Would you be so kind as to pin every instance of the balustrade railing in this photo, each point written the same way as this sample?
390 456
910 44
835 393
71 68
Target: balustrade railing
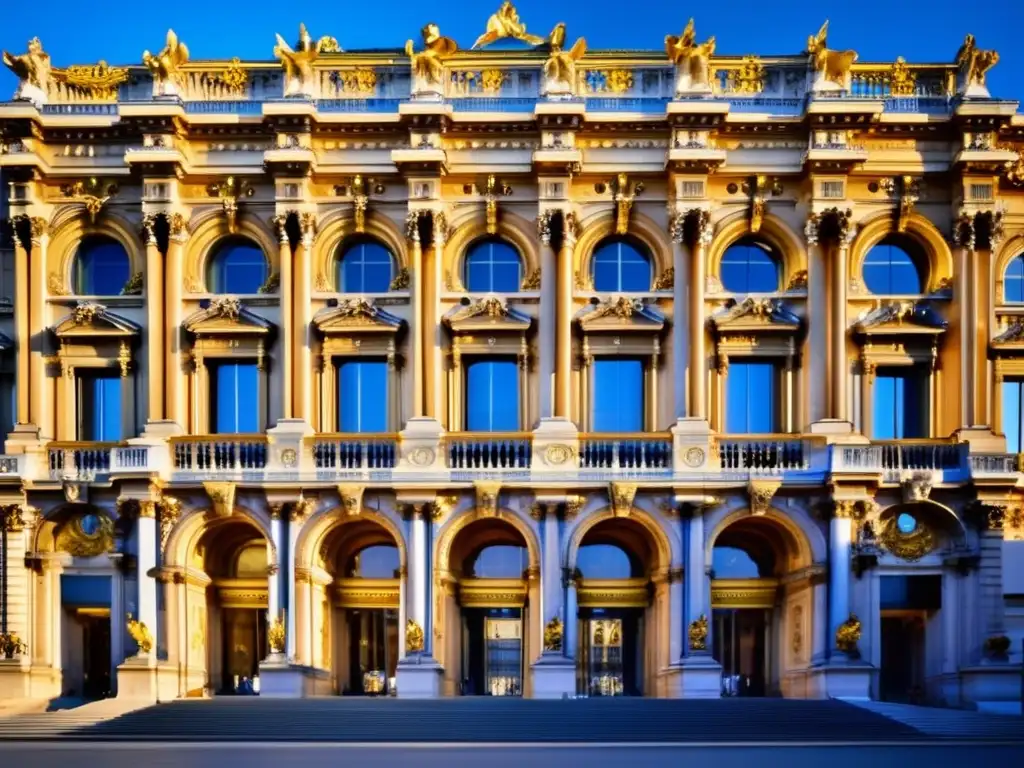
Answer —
79 460
489 451
626 452
347 452
994 463
764 454
892 459
219 454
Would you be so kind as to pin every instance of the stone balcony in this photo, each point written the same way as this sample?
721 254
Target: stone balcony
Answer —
293 454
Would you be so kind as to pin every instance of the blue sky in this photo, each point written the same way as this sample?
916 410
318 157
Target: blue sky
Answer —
919 30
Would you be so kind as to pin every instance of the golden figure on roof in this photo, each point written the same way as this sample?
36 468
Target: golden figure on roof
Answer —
505 23
298 62
560 67
32 70
974 63
693 61
166 66
832 67
426 65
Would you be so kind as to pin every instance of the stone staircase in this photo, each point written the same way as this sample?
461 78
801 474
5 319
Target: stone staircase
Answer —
487 720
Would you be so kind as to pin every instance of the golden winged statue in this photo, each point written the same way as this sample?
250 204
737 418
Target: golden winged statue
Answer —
298 62
693 61
560 67
276 635
974 63
32 70
699 633
505 23
832 66
427 69
166 65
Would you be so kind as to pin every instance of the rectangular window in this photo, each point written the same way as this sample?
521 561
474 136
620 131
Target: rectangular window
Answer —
235 408
1013 391
900 408
492 395
618 395
363 396
751 398
99 406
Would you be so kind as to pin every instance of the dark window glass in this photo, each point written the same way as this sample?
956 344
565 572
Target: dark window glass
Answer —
751 401
365 266
750 266
377 562
500 561
1013 281
604 561
493 266
101 267
492 395
363 396
238 266
99 406
620 264
618 395
900 404
734 563
235 387
889 268
1013 428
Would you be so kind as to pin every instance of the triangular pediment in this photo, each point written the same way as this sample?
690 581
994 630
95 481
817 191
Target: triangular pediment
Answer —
491 313
355 316
89 320
226 316
752 315
902 318
620 313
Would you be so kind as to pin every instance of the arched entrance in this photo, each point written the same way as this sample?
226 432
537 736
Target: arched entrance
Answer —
759 600
486 610
620 610
360 596
227 601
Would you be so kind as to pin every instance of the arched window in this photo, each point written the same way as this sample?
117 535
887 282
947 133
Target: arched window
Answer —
380 561
493 266
500 561
750 266
734 563
604 561
237 266
894 267
1013 281
365 266
101 267
621 264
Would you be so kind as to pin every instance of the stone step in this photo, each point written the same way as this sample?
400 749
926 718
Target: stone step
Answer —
950 723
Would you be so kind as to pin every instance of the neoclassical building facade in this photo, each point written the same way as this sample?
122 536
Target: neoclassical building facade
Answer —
513 369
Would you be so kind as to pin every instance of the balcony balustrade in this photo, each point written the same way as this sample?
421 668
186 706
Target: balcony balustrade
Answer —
219 455
626 453
764 455
370 456
893 460
489 451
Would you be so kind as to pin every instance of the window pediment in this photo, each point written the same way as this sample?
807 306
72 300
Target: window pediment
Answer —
489 314
92 321
226 316
902 318
756 315
356 316
620 313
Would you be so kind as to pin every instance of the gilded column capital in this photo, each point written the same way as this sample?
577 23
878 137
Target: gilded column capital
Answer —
179 229
147 509
544 222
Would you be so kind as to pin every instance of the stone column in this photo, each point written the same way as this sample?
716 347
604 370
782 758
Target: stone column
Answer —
676 614
285 287
154 288
49 639
419 573
819 622
291 577
965 254
698 351
41 406
698 585
815 358
302 352
840 365
274 570
403 609
840 543
21 327
951 621
430 321
680 336
551 570
571 621
547 317
175 381
563 341
117 627
147 540
416 311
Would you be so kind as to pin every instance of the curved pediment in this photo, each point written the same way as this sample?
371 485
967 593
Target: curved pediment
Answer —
88 320
356 316
756 315
620 313
226 316
491 313
902 318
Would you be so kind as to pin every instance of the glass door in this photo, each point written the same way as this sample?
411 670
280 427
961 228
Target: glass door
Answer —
373 651
504 656
741 646
245 643
610 653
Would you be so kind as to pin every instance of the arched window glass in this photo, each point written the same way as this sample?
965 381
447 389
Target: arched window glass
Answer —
493 266
734 563
237 266
891 267
500 561
1013 281
381 561
365 266
621 264
750 266
604 561
101 267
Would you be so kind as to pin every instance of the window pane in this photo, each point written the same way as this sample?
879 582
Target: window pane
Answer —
237 267
734 563
493 266
365 267
100 405
751 399
1013 282
619 265
900 407
1011 395
235 408
618 395
749 266
492 396
377 562
500 561
101 267
604 561
890 269
363 396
